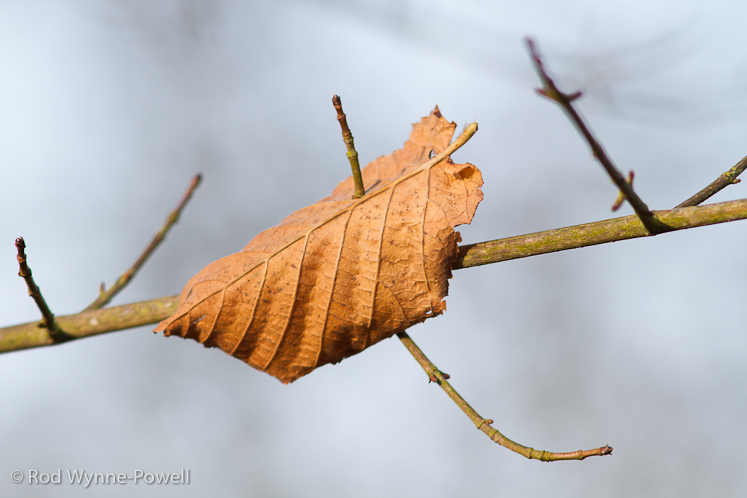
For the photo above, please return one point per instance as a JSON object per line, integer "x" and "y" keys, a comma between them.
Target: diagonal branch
{"x": 116, "y": 318}
{"x": 720, "y": 183}
{"x": 106, "y": 296}
{"x": 549, "y": 90}
{"x": 435, "y": 375}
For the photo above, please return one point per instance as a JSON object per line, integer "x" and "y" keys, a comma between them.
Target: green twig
{"x": 116, "y": 318}
{"x": 723, "y": 181}
{"x": 549, "y": 90}
{"x": 621, "y": 196}
{"x": 347, "y": 137}
{"x": 107, "y": 295}
{"x": 437, "y": 376}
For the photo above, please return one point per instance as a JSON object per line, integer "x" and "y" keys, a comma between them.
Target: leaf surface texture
{"x": 340, "y": 275}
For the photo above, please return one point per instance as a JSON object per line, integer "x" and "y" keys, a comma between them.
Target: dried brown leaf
{"x": 338, "y": 276}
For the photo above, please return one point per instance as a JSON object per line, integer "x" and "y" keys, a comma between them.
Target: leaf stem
{"x": 347, "y": 137}
{"x": 107, "y": 295}
{"x": 437, "y": 376}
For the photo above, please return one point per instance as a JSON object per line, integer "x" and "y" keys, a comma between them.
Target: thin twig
{"x": 621, "y": 195}
{"x": 117, "y": 318}
{"x": 723, "y": 181}
{"x": 34, "y": 291}
{"x": 106, "y": 296}
{"x": 89, "y": 323}
{"x": 347, "y": 137}
{"x": 435, "y": 375}
{"x": 549, "y": 90}
{"x": 54, "y": 334}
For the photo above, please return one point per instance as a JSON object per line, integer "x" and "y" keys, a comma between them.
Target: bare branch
{"x": 147, "y": 312}
{"x": 720, "y": 183}
{"x": 435, "y": 375}
{"x": 106, "y": 296}
{"x": 549, "y": 90}
{"x": 89, "y": 323}
{"x": 599, "y": 232}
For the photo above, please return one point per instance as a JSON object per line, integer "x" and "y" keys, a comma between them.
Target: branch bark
{"x": 599, "y": 232}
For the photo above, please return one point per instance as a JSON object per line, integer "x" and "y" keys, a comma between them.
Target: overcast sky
{"x": 107, "y": 109}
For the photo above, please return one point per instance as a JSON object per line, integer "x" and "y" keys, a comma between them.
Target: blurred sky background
{"x": 107, "y": 109}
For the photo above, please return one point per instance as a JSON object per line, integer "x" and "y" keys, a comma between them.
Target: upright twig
{"x": 34, "y": 291}
{"x": 347, "y": 137}
{"x": 720, "y": 183}
{"x": 549, "y": 90}
{"x": 483, "y": 424}
{"x": 107, "y": 295}
{"x": 47, "y": 316}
